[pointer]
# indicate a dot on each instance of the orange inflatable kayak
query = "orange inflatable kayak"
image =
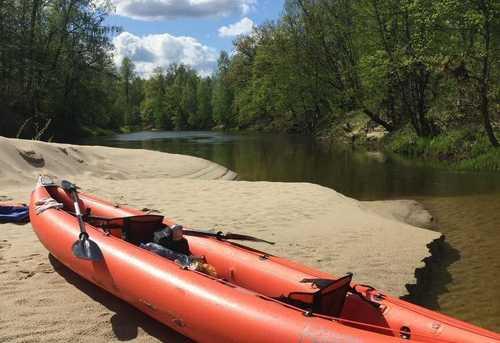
(255, 297)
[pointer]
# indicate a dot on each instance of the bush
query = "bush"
(467, 149)
(87, 131)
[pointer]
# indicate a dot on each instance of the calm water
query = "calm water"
(464, 282)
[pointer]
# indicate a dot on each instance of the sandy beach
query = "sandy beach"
(382, 243)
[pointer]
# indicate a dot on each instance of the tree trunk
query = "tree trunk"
(32, 91)
(378, 120)
(486, 116)
(485, 77)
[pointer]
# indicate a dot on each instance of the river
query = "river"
(463, 282)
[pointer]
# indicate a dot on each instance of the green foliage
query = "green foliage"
(202, 117)
(467, 149)
(177, 98)
(489, 160)
(422, 69)
(130, 93)
(222, 97)
(95, 131)
(154, 107)
(55, 67)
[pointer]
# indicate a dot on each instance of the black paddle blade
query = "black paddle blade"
(68, 186)
(222, 235)
(236, 236)
(87, 250)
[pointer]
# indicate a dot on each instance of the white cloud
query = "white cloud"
(172, 9)
(242, 27)
(161, 50)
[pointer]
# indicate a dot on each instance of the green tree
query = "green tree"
(125, 103)
(55, 66)
(203, 117)
(222, 97)
(154, 108)
(189, 98)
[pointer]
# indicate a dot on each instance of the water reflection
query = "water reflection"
(271, 157)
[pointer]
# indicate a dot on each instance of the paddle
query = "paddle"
(222, 235)
(84, 247)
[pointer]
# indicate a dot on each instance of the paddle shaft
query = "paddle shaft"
(83, 248)
(78, 212)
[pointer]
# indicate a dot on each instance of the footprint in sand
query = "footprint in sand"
(63, 150)
(41, 268)
(4, 244)
(44, 268)
(24, 274)
(44, 302)
(32, 157)
(104, 315)
(28, 272)
(79, 160)
(149, 210)
(30, 257)
(22, 301)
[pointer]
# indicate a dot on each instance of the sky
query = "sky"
(193, 32)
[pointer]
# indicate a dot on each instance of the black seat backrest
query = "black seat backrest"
(134, 229)
(140, 229)
(329, 300)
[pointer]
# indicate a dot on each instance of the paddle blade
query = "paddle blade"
(87, 250)
(68, 186)
(236, 236)
(222, 235)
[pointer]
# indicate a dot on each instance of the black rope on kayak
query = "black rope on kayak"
(392, 332)
(403, 332)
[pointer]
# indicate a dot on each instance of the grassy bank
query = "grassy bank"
(462, 149)
(94, 131)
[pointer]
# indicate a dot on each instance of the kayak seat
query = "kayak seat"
(134, 229)
(328, 300)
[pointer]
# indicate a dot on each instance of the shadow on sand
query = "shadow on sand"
(126, 319)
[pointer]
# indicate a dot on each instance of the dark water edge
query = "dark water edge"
(461, 277)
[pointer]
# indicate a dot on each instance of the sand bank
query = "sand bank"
(22, 160)
(312, 224)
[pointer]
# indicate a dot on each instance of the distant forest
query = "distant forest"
(422, 65)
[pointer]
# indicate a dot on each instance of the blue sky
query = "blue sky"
(160, 32)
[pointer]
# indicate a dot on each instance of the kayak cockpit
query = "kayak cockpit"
(313, 296)
(133, 229)
(332, 298)
(326, 297)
